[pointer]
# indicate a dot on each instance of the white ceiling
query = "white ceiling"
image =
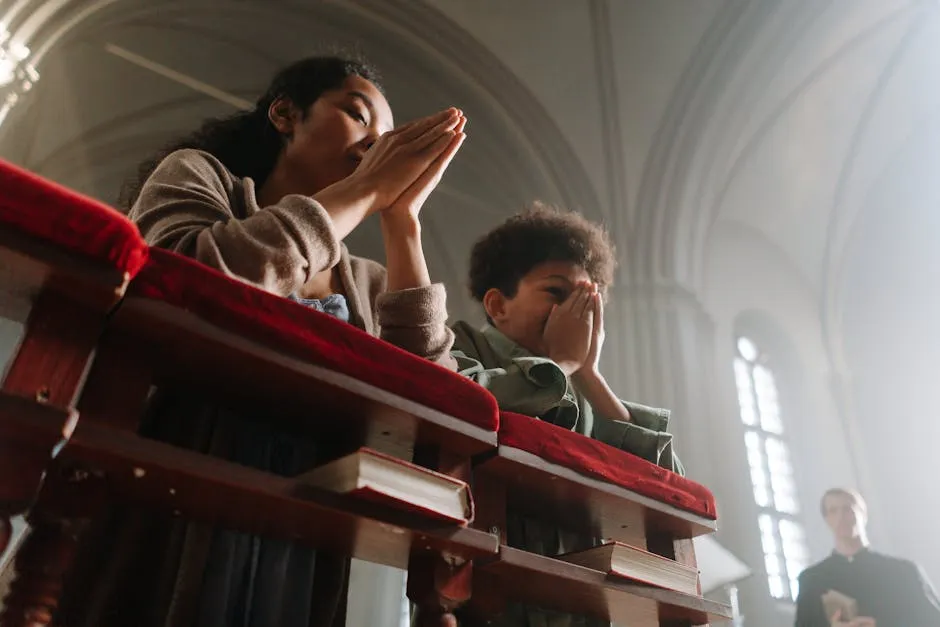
(805, 105)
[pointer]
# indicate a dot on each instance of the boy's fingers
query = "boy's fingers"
(574, 300)
(552, 315)
(585, 302)
(568, 305)
(598, 313)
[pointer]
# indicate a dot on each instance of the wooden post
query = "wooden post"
(438, 584)
(118, 383)
(41, 564)
(488, 600)
(679, 549)
(58, 343)
(44, 379)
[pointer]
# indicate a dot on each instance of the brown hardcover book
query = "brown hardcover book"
(371, 475)
(628, 562)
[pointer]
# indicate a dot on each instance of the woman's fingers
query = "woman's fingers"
(435, 148)
(444, 147)
(440, 163)
(405, 165)
(435, 170)
(413, 130)
(419, 125)
(445, 128)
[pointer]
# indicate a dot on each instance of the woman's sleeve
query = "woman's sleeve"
(184, 207)
(416, 320)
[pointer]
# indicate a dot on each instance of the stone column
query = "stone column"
(660, 351)
(842, 389)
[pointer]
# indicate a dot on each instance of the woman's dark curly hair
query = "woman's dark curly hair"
(541, 233)
(247, 143)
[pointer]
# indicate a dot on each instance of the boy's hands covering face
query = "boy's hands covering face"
(569, 332)
(592, 362)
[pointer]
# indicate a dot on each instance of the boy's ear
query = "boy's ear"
(494, 303)
(281, 115)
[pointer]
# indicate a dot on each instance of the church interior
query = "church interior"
(760, 165)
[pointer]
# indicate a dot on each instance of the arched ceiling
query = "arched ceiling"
(801, 121)
(95, 114)
(660, 117)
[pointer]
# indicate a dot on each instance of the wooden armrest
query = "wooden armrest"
(103, 464)
(550, 583)
(612, 511)
(212, 490)
(53, 237)
(29, 265)
(180, 348)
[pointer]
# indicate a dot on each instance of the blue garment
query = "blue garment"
(334, 305)
(254, 581)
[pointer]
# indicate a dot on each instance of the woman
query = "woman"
(268, 196)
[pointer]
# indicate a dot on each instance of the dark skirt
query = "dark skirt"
(545, 538)
(138, 568)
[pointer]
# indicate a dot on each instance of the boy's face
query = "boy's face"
(522, 318)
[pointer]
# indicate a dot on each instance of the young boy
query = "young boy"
(541, 277)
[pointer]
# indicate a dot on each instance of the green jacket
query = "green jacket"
(536, 386)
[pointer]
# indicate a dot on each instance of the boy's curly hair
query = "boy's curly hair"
(539, 234)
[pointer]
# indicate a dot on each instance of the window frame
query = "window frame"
(782, 566)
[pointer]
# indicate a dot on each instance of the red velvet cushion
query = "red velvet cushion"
(49, 212)
(601, 461)
(310, 335)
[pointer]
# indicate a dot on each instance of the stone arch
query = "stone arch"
(516, 151)
(42, 25)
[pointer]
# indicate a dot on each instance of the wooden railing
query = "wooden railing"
(73, 397)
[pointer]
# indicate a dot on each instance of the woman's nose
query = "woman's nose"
(372, 136)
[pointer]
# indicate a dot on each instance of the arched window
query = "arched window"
(768, 458)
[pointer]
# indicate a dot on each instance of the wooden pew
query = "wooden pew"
(166, 332)
(62, 418)
(65, 261)
(599, 492)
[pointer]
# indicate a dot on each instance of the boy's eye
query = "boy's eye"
(557, 292)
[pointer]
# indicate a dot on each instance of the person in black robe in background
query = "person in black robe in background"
(890, 592)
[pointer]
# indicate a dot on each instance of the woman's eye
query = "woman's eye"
(354, 114)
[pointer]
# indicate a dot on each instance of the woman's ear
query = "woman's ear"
(281, 115)
(494, 303)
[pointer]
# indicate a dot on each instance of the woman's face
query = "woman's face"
(327, 144)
